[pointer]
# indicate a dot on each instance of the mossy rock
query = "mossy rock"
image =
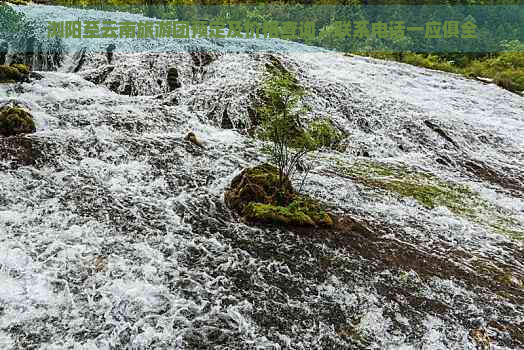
(302, 211)
(15, 121)
(14, 72)
(22, 68)
(257, 195)
(325, 134)
(259, 184)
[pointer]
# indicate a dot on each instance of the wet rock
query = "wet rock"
(98, 77)
(80, 58)
(17, 150)
(100, 263)
(505, 177)
(444, 160)
(35, 76)
(226, 121)
(201, 59)
(481, 338)
(15, 121)
(172, 79)
(4, 49)
(14, 73)
(109, 52)
(440, 132)
(260, 196)
(191, 137)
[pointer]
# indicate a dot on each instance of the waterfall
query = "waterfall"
(114, 232)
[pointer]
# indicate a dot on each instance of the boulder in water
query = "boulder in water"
(259, 196)
(14, 73)
(191, 137)
(15, 121)
(172, 78)
(109, 52)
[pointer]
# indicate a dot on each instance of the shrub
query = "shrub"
(280, 121)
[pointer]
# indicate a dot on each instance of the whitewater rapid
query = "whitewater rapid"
(114, 234)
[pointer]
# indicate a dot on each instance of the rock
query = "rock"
(80, 57)
(172, 79)
(4, 49)
(201, 58)
(259, 196)
(17, 150)
(100, 263)
(481, 338)
(35, 76)
(439, 131)
(260, 185)
(99, 76)
(191, 137)
(109, 52)
(15, 121)
(226, 122)
(14, 73)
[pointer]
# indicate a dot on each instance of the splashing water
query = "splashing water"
(114, 233)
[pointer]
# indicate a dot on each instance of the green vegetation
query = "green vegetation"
(260, 184)
(279, 112)
(10, 20)
(258, 196)
(22, 68)
(300, 212)
(431, 192)
(325, 134)
(13, 73)
(506, 69)
(426, 189)
(14, 121)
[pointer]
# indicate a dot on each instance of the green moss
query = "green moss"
(426, 189)
(325, 134)
(259, 195)
(272, 214)
(431, 192)
(301, 212)
(7, 73)
(312, 209)
(507, 279)
(14, 72)
(260, 184)
(22, 68)
(14, 121)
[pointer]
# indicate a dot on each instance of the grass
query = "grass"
(431, 192)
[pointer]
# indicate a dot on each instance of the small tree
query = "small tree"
(280, 122)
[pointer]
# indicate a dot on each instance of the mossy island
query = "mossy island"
(15, 121)
(259, 197)
(14, 73)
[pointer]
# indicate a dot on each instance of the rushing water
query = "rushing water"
(114, 234)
